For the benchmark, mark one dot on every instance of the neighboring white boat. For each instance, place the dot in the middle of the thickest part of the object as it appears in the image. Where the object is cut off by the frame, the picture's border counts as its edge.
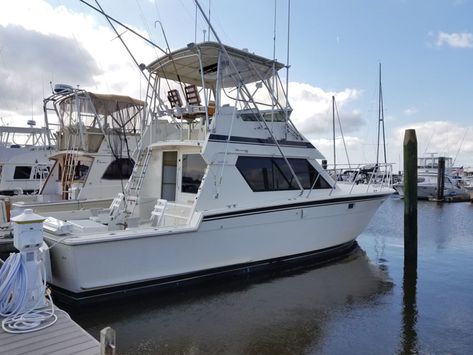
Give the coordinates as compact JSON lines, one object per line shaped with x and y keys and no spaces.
{"x":228,"y":186}
{"x":427,"y":174}
{"x":24,"y":163}
{"x":96,"y":137}
{"x":427,"y":186}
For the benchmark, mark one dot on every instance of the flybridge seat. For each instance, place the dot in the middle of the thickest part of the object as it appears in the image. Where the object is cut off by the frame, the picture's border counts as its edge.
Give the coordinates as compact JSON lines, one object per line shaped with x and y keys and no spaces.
{"x":174,"y":98}
{"x":192,"y":95}
{"x":194,"y":106}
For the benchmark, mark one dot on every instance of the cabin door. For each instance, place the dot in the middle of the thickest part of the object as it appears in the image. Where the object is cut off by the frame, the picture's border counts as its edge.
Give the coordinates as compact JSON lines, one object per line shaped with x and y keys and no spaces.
{"x":168,"y":188}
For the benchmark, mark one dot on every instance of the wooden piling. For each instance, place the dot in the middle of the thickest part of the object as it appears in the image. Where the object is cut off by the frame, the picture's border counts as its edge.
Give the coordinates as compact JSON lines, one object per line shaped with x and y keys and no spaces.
{"x":107,"y":341}
{"x":441,"y":179}
{"x":410,"y":195}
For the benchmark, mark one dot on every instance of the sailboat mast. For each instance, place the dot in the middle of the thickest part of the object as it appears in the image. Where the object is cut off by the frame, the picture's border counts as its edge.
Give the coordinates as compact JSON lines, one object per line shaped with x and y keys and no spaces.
{"x":333,"y":128}
{"x":381,"y":120}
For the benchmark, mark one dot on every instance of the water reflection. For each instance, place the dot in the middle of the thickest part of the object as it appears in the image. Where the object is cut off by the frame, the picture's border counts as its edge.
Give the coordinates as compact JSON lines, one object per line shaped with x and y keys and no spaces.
{"x":285,"y":314}
{"x":409,"y":311}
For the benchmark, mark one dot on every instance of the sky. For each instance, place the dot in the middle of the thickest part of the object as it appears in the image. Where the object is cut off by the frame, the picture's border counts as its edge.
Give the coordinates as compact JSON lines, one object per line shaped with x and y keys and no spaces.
{"x":425,"y":48}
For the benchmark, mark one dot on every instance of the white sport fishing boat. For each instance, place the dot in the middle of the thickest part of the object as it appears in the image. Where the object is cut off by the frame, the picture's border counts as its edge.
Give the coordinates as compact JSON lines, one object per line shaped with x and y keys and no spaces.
{"x":24,"y":163}
{"x":97,"y":135}
{"x":229,"y":186}
{"x":427,"y":179}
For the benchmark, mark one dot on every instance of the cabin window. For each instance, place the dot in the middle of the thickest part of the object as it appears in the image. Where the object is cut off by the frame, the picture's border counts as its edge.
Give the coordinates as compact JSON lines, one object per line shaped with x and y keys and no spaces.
{"x":277,"y":116}
{"x":273,"y":174}
{"x":193,"y":169}
{"x":119,"y":169}
{"x":22,"y":172}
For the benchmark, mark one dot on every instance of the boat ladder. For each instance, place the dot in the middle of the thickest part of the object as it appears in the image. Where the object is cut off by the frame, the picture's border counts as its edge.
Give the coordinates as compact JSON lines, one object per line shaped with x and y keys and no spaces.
{"x":133,"y":187}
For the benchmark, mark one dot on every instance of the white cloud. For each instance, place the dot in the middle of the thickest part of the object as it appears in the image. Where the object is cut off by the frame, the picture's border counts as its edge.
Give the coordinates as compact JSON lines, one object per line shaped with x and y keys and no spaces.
{"x":410,"y":111}
{"x":312,"y":109}
{"x":441,"y":137}
{"x":456,"y":40}
{"x":30,"y":58}
{"x":58,"y":44}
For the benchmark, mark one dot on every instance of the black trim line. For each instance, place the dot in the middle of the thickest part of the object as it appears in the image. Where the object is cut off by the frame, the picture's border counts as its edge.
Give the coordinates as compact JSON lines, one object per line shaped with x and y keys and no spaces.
{"x":311,"y":258}
{"x":259,"y":141}
{"x":312,"y":203}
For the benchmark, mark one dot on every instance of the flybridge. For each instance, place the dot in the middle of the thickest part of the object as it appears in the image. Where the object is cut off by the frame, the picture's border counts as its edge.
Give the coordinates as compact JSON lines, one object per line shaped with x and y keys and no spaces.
{"x":189,"y":64}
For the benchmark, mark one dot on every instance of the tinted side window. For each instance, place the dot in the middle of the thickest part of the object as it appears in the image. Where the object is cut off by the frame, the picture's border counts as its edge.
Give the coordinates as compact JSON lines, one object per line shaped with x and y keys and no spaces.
{"x":193,"y":169}
{"x":22,"y":172}
{"x":273,"y":174}
{"x":120,"y":169}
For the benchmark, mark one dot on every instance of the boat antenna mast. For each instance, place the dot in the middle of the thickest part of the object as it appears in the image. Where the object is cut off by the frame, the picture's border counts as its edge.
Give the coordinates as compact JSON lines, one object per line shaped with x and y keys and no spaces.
{"x":334,"y":142}
{"x":380,"y":120}
{"x":274,"y":62}
{"x":286,"y":111}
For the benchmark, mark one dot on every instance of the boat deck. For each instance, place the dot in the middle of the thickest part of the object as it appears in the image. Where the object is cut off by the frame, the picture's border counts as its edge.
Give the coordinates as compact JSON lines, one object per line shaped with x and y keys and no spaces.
{"x":63,"y":337}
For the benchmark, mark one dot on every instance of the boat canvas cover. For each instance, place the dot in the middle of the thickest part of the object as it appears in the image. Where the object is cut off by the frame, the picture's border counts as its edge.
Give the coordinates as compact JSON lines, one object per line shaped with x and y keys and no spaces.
{"x":103,"y":104}
{"x":107,"y":104}
{"x":184,"y":65}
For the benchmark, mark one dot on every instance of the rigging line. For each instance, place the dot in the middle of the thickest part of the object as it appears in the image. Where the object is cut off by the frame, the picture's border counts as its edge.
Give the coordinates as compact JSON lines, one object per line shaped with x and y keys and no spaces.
{"x":274,"y":31}
{"x":248,"y":94}
{"x":123,"y":25}
{"x":343,"y":137}
{"x":157,"y":10}
{"x":121,"y":39}
{"x":195,"y":25}
{"x":210,"y":5}
{"x":143,"y":19}
{"x":289,"y":123}
{"x":185,"y":9}
{"x":459,"y":148}
{"x":287,"y":58}
{"x":274,"y":60}
{"x":428,"y":143}
{"x":334,"y":142}
{"x":164,"y":34}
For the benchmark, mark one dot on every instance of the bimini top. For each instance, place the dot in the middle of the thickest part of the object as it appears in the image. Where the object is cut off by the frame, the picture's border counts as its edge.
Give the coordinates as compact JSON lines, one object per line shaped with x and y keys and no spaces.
{"x":184,"y":65}
{"x":106,"y":104}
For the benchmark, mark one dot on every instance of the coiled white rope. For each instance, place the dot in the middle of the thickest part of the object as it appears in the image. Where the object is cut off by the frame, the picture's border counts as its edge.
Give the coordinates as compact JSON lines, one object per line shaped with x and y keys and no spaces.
{"x":13,"y":289}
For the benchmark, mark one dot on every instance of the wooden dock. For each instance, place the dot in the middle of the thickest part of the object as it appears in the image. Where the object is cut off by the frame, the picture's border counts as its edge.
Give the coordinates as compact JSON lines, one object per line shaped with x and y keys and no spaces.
{"x":63,"y":337}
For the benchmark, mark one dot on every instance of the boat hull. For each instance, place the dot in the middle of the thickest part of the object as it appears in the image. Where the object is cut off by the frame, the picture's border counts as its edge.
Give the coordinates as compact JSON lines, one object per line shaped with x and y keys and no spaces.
{"x":226,"y":243}
{"x":426,"y":192}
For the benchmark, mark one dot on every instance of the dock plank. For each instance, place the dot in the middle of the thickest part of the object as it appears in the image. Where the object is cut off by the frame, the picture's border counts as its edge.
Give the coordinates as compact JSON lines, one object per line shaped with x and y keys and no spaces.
{"x":83,"y":348}
{"x":63,"y":337}
{"x":20,"y":344}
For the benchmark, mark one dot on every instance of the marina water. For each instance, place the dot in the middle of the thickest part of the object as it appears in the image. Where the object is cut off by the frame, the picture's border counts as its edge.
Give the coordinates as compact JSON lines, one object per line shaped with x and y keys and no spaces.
{"x":363,"y":303}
